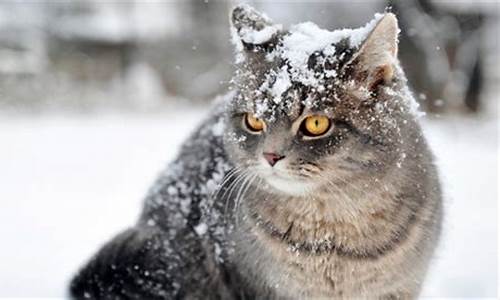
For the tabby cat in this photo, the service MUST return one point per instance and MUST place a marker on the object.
(311, 179)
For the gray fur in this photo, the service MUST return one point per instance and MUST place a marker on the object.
(216, 226)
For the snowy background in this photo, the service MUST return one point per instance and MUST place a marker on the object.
(92, 107)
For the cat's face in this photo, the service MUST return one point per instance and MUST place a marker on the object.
(309, 111)
(292, 149)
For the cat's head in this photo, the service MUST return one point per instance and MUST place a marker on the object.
(313, 106)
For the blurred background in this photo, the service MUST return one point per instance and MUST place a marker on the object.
(96, 96)
(95, 55)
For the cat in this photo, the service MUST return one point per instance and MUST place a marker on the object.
(311, 179)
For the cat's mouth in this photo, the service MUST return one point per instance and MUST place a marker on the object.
(280, 180)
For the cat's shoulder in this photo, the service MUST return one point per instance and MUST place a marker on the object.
(212, 126)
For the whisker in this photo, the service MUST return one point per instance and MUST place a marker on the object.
(233, 182)
(226, 178)
(241, 177)
(238, 195)
(238, 203)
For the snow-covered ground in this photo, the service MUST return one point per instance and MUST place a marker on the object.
(68, 183)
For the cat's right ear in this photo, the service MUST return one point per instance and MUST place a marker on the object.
(375, 61)
(251, 30)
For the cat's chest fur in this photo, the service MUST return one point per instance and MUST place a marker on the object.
(302, 250)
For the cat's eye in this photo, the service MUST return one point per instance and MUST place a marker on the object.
(253, 123)
(315, 125)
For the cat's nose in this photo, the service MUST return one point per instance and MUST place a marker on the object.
(272, 158)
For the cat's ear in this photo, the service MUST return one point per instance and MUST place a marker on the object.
(376, 59)
(251, 29)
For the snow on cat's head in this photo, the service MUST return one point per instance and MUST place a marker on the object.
(313, 104)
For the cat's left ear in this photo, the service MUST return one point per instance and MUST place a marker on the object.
(376, 59)
(252, 30)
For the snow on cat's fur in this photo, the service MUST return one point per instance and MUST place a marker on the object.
(274, 213)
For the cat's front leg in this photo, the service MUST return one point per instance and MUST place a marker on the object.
(131, 266)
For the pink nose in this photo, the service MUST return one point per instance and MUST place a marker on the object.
(272, 158)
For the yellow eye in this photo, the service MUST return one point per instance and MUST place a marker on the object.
(316, 125)
(253, 123)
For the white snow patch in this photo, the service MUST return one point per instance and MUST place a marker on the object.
(218, 128)
(201, 228)
(235, 138)
(307, 38)
(238, 46)
(261, 107)
(172, 190)
(281, 85)
(258, 37)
